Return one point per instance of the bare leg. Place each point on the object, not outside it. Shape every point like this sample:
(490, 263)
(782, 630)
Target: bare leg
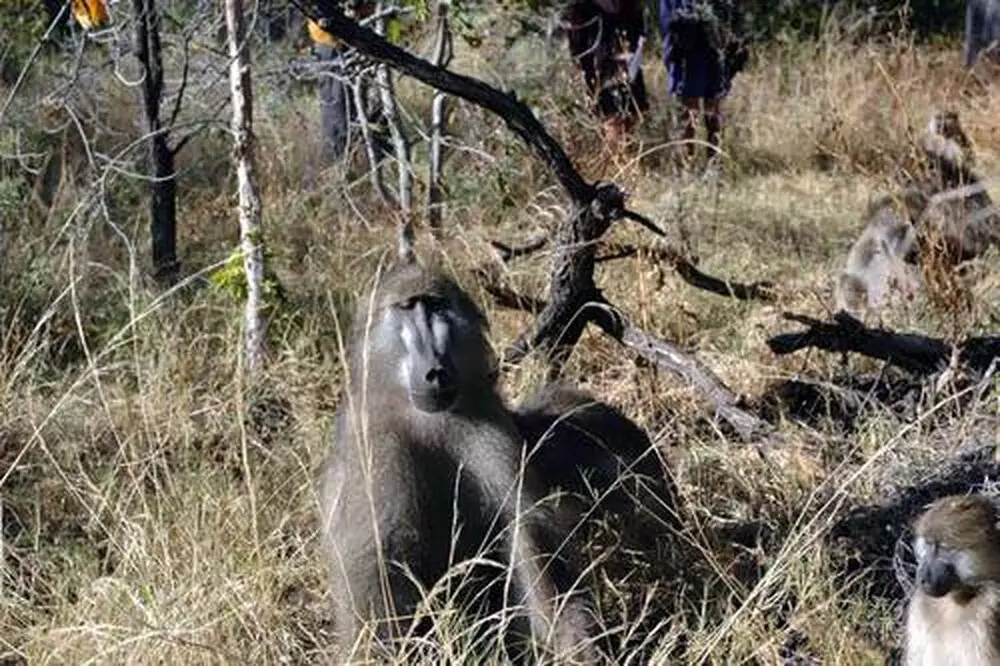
(689, 114)
(713, 123)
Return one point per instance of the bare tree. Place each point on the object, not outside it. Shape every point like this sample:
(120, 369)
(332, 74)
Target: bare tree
(442, 58)
(163, 202)
(401, 145)
(251, 239)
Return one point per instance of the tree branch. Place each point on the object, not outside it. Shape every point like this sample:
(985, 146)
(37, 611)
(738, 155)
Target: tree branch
(515, 113)
(761, 291)
(918, 354)
(658, 352)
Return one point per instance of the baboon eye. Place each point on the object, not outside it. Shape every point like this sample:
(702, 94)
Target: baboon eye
(433, 303)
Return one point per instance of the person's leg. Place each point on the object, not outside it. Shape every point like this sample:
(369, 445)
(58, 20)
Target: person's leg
(716, 88)
(713, 122)
(690, 106)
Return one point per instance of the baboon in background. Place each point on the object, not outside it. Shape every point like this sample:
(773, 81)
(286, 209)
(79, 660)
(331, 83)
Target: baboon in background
(953, 616)
(923, 222)
(590, 449)
(425, 472)
(885, 255)
(964, 227)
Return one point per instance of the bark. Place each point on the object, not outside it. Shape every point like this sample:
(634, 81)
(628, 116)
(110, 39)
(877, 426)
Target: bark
(163, 186)
(918, 354)
(442, 57)
(401, 146)
(373, 147)
(251, 238)
(982, 28)
(335, 103)
(515, 113)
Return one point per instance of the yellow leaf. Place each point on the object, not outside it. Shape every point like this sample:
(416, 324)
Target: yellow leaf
(91, 14)
(321, 36)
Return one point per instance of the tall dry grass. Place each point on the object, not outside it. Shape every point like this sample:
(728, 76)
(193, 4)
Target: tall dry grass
(143, 521)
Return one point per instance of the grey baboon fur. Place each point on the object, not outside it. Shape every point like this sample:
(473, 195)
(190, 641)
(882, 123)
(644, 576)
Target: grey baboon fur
(953, 614)
(589, 448)
(964, 223)
(884, 256)
(948, 215)
(424, 472)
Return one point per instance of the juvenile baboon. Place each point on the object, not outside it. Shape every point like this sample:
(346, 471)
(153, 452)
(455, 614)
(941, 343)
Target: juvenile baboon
(953, 616)
(963, 224)
(590, 449)
(931, 221)
(885, 255)
(425, 472)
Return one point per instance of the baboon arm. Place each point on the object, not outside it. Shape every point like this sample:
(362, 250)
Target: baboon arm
(564, 630)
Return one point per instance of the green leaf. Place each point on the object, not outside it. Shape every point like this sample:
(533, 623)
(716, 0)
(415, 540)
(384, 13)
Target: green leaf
(394, 30)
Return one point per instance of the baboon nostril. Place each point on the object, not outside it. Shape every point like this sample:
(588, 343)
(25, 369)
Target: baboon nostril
(437, 376)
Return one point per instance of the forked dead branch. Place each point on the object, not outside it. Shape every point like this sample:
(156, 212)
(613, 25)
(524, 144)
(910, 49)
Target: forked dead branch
(574, 298)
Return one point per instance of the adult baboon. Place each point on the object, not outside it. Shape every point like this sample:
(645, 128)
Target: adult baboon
(884, 257)
(590, 449)
(953, 616)
(963, 224)
(424, 473)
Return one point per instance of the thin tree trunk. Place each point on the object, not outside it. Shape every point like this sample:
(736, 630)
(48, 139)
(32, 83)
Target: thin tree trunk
(442, 56)
(383, 79)
(335, 104)
(371, 149)
(251, 238)
(163, 186)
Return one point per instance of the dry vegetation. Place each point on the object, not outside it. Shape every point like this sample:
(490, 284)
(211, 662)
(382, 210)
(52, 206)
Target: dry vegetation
(143, 521)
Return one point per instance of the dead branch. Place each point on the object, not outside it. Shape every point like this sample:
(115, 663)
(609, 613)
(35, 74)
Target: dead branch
(760, 291)
(515, 113)
(668, 357)
(574, 299)
(372, 153)
(509, 252)
(918, 354)
(658, 352)
(400, 143)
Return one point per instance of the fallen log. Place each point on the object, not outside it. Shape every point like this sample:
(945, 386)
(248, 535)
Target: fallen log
(913, 352)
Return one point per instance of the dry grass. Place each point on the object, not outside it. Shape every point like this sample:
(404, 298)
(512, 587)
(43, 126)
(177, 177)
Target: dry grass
(143, 523)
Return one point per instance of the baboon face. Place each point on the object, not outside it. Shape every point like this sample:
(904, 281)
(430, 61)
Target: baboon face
(956, 546)
(429, 338)
(946, 124)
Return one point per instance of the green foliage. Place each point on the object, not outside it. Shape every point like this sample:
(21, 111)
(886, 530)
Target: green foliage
(22, 24)
(231, 279)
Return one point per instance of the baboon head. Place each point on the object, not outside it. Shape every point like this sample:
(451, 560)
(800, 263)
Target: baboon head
(423, 339)
(957, 546)
(945, 123)
(948, 150)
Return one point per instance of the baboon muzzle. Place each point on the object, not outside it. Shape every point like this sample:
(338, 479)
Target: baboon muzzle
(936, 577)
(431, 378)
